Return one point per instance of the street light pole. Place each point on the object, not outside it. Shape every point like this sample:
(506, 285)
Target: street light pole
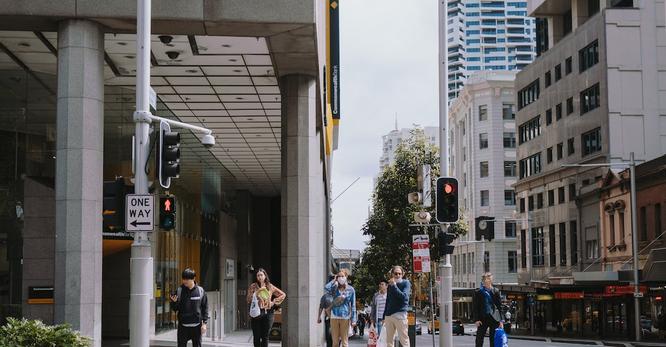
(446, 283)
(141, 261)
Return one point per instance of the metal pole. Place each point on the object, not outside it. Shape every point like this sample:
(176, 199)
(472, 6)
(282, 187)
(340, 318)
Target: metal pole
(141, 261)
(432, 307)
(634, 247)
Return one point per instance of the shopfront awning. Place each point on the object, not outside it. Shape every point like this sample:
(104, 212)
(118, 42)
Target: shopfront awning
(654, 269)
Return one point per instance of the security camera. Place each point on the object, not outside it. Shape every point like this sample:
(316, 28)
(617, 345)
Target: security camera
(173, 55)
(165, 39)
(208, 141)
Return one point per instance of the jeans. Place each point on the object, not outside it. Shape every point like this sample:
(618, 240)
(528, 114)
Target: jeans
(486, 323)
(378, 326)
(189, 333)
(261, 326)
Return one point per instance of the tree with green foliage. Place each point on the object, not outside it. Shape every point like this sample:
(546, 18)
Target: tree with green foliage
(389, 222)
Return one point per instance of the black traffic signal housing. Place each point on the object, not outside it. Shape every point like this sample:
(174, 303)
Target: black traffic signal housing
(445, 241)
(113, 206)
(168, 156)
(167, 212)
(485, 228)
(447, 200)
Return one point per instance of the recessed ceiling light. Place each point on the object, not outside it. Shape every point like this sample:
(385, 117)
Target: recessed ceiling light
(233, 60)
(238, 70)
(250, 119)
(239, 98)
(24, 44)
(192, 70)
(129, 56)
(226, 45)
(121, 43)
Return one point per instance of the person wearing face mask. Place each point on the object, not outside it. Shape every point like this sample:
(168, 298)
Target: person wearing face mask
(397, 304)
(343, 310)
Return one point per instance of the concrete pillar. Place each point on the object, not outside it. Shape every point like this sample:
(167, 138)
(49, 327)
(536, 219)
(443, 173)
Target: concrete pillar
(303, 245)
(555, 30)
(79, 159)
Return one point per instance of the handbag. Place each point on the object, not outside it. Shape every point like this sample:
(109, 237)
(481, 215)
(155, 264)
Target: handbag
(372, 337)
(255, 311)
(381, 342)
(501, 339)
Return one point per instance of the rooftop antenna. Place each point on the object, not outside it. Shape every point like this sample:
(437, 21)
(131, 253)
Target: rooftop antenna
(396, 121)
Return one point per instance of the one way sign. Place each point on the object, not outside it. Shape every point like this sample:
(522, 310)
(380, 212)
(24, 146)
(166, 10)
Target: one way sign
(139, 212)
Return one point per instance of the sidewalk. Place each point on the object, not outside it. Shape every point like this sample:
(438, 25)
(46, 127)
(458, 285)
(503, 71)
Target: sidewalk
(240, 338)
(586, 342)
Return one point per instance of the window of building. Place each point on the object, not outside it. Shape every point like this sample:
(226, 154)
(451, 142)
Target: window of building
(483, 140)
(507, 112)
(620, 217)
(589, 99)
(522, 205)
(530, 203)
(657, 220)
(588, 56)
(592, 8)
(486, 261)
(510, 228)
(592, 248)
(644, 224)
(560, 195)
(483, 169)
(591, 141)
(558, 111)
(567, 66)
(512, 261)
(563, 244)
(570, 106)
(509, 169)
(483, 112)
(509, 140)
(529, 129)
(611, 228)
(549, 116)
(541, 35)
(570, 147)
(574, 241)
(551, 245)
(572, 191)
(528, 94)
(537, 247)
(523, 249)
(560, 146)
(539, 201)
(485, 198)
(547, 79)
(549, 154)
(509, 198)
(530, 165)
(551, 197)
(558, 72)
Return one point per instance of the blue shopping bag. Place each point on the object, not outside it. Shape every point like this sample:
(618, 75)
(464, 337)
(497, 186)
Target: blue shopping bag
(501, 340)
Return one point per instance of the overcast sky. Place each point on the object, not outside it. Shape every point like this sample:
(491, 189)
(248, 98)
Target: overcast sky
(388, 53)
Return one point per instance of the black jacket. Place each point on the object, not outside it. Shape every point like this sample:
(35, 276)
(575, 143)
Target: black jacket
(192, 305)
(478, 304)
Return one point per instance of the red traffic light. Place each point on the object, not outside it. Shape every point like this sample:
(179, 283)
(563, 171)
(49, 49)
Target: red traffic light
(448, 188)
(167, 204)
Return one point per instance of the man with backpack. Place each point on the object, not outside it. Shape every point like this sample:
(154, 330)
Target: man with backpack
(192, 305)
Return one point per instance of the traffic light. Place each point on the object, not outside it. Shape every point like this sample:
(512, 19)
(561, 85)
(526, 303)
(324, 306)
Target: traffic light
(168, 155)
(167, 212)
(113, 206)
(447, 200)
(445, 242)
(485, 228)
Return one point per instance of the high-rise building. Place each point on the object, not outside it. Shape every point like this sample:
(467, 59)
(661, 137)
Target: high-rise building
(483, 158)
(592, 96)
(487, 35)
(391, 141)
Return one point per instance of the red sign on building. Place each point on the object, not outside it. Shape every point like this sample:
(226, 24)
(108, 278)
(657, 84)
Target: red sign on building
(623, 290)
(569, 295)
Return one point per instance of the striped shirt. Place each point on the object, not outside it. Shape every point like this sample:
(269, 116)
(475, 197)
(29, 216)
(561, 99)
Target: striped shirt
(381, 305)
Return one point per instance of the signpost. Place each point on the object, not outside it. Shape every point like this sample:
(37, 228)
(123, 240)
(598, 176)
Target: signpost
(139, 212)
(421, 253)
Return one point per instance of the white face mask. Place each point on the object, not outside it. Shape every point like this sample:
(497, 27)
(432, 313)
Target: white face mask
(342, 281)
(398, 280)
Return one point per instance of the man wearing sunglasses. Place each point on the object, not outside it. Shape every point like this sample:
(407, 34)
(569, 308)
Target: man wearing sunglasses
(397, 304)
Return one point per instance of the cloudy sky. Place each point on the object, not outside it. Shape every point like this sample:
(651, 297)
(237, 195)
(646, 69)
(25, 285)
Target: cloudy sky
(388, 52)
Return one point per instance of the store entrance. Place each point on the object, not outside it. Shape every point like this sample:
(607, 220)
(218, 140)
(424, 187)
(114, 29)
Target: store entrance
(615, 319)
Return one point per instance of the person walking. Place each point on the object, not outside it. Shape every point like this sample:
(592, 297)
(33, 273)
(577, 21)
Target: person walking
(343, 311)
(397, 304)
(191, 303)
(378, 306)
(487, 309)
(268, 296)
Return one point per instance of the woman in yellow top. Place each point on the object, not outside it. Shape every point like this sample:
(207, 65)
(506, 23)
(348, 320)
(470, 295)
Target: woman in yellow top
(268, 296)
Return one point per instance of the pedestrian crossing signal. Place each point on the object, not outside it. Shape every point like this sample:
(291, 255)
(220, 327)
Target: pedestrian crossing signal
(447, 200)
(167, 212)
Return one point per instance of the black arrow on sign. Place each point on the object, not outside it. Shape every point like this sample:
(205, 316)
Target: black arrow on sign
(135, 223)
